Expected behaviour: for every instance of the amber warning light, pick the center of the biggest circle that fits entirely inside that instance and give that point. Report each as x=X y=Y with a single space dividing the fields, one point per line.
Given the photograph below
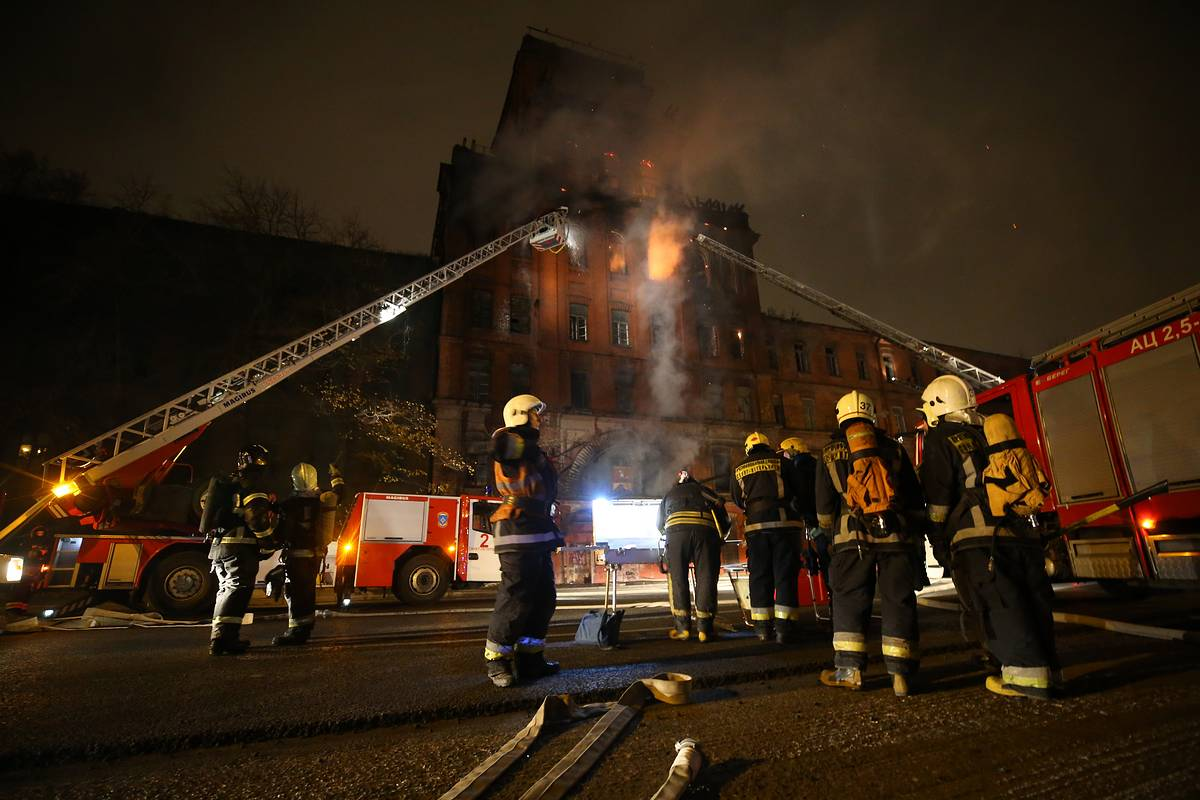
x=1149 y=524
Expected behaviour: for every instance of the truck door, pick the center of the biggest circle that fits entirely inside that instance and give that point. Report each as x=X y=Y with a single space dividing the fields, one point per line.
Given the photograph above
x=483 y=564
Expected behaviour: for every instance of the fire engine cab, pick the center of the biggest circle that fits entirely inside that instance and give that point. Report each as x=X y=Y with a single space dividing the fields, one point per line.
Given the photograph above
x=416 y=545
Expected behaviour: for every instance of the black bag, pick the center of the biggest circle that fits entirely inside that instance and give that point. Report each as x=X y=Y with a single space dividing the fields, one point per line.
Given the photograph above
x=603 y=628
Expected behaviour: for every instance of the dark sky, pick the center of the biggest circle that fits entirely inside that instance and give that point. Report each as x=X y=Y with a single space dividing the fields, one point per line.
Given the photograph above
x=1003 y=176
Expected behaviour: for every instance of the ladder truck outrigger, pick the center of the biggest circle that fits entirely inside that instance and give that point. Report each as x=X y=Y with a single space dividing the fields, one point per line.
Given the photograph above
x=1111 y=416
x=165 y=562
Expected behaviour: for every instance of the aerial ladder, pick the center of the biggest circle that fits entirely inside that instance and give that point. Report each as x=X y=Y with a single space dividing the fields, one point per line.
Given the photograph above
x=91 y=462
x=977 y=377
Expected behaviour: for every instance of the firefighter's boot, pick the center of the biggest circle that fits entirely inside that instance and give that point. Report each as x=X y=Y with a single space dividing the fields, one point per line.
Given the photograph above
x=682 y=630
x=899 y=685
x=228 y=646
x=786 y=632
x=996 y=685
x=531 y=666
x=501 y=673
x=704 y=630
x=765 y=631
x=293 y=637
x=842 y=677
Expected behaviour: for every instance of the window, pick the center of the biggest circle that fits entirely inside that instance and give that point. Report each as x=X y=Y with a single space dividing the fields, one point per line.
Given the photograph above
x=739 y=343
x=481 y=308
x=720 y=463
x=914 y=369
x=713 y=401
x=518 y=314
x=860 y=358
x=777 y=408
x=772 y=355
x=518 y=378
x=745 y=404
x=800 y=350
x=624 y=381
x=616 y=254
x=897 y=420
x=620 y=327
x=581 y=389
x=889 y=367
x=578 y=322
x=479 y=379
x=808 y=413
x=658 y=328
x=831 y=361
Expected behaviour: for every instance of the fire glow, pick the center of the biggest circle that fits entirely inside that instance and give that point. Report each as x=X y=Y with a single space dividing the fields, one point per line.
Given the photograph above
x=664 y=249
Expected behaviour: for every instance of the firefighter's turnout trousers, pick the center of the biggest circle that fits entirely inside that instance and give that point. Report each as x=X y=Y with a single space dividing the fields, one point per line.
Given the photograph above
x=300 y=568
x=235 y=563
x=773 y=558
x=854 y=576
x=699 y=545
x=525 y=602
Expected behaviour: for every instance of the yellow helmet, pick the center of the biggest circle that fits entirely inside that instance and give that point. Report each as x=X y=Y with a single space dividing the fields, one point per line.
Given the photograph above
x=794 y=444
x=756 y=438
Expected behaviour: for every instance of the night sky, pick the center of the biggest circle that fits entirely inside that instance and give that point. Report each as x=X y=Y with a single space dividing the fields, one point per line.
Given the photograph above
x=1002 y=177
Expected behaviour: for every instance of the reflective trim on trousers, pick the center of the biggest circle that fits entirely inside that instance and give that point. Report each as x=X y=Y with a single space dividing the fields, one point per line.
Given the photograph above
x=494 y=651
x=227 y=621
x=680 y=612
x=528 y=644
x=896 y=647
x=791 y=524
x=301 y=622
x=704 y=614
x=849 y=642
x=1033 y=677
x=787 y=612
x=760 y=614
x=526 y=538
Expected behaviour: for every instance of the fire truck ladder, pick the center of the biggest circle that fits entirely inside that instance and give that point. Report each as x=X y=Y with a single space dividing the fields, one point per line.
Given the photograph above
x=93 y=460
x=940 y=359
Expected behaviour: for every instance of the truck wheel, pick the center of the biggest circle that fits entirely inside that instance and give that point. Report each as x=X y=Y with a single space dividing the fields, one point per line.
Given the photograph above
x=182 y=586
x=422 y=579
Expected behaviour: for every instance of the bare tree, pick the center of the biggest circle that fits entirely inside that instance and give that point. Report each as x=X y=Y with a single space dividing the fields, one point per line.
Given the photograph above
x=25 y=174
x=261 y=206
x=141 y=193
x=351 y=232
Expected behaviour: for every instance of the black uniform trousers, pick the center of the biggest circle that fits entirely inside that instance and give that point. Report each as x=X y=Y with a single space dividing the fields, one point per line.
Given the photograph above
x=300 y=588
x=525 y=602
x=1014 y=607
x=699 y=545
x=773 y=558
x=236 y=567
x=854 y=575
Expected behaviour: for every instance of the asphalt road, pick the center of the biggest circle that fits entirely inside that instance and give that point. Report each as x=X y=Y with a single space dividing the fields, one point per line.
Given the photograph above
x=393 y=702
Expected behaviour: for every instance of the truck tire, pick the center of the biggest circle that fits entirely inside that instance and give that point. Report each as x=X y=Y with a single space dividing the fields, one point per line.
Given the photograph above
x=421 y=579
x=182 y=586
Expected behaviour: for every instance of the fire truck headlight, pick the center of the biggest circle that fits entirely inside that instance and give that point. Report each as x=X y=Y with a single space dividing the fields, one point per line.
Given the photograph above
x=16 y=566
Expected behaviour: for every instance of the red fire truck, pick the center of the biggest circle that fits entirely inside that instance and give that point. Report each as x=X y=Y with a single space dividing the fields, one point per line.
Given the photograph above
x=1110 y=414
x=416 y=545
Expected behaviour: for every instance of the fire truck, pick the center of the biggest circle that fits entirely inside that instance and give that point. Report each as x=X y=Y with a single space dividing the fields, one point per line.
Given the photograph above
x=122 y=513
x=416 y=545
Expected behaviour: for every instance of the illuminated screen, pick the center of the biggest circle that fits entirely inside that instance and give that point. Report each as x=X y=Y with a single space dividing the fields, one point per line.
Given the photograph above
x=625 y=523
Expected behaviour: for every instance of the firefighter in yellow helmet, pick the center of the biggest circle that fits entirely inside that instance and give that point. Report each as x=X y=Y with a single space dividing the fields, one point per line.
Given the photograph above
x=693 y=518
x=997 y=558
x=766 y=487
x=869 y=497
x=816 y=555
x=525 y=536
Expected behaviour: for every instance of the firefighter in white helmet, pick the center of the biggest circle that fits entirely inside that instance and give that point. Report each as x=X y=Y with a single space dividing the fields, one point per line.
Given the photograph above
x=525 y=536
x=693 y=518
x=869 y=497
x=996 y=560
x=766 y=486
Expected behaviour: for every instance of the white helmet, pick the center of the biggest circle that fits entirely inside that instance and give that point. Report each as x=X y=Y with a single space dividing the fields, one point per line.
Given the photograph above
x=516 y=411
x=855 y=405
x=304 y=477
x=948 y=395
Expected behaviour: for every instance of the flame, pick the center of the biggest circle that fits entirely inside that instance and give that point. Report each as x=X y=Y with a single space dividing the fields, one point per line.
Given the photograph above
x=665 y=247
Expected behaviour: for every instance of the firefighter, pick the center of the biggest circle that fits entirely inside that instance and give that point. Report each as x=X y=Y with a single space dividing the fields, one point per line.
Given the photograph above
x=997 y=561
x=525 y=535
x=817 y=553
x=869 y=496
x=766 y=486
x=692 y=517
x=237 y=518
x=305 y=527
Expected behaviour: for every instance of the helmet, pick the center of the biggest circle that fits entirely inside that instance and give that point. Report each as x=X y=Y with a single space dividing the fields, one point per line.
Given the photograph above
x=793 y=444
x=855 y=405
x=948 y=394
x=682 y=476
x=516 y=411
x=252 y=457
x=304 y=477
x=756 y=438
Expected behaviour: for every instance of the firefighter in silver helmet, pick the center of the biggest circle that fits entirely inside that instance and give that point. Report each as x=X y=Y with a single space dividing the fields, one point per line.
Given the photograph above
x=693 y=518
x=766 y=486
x=996 y=558
x=306 y=521
x=525 y=535
x=238 y=520
x=869 y=497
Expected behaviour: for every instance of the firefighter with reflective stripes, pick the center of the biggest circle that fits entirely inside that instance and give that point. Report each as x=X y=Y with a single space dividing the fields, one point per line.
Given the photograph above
x=766 y=486
x=868 y=495
x=237 y=518
x=997 y=561
x=692 y=517
x=306 y=526
x=525 y=535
